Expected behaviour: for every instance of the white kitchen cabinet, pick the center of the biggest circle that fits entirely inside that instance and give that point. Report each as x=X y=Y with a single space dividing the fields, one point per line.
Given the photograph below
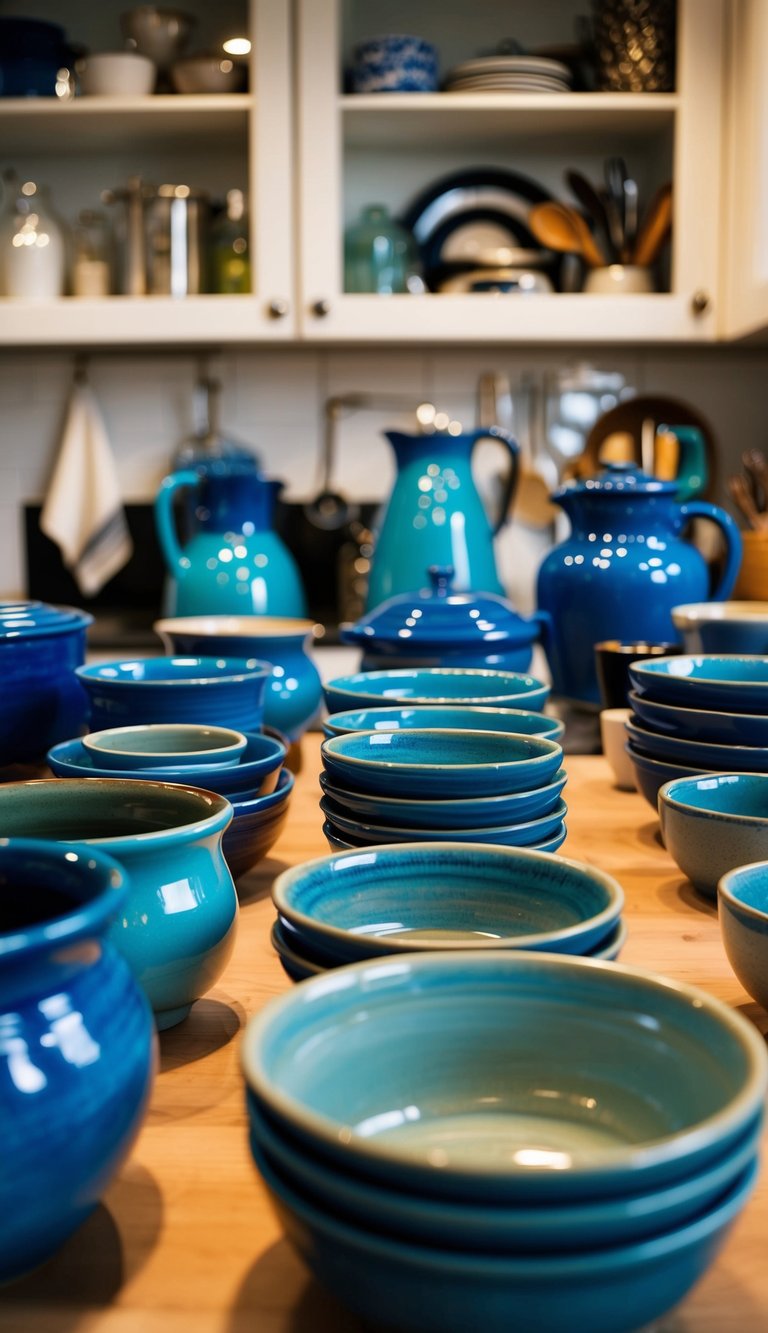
x=211 y=142
x=357 y=149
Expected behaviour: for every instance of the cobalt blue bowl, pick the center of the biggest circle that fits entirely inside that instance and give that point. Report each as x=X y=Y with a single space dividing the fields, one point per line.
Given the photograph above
x=731 y=684
x=524 y=834
x=256 y=825
x=41 y=700
x=216 y=691
x=651 y=774
x=695 y=753
x=255 y=774
x=440 y=763
x=456 y=718
x=701 y=724
x=451 y=814
x=78 y=1049
x=436 y=1072
x=416 y=686
x=742 y=909
x=446 y=895
x=714 y=823
x=722 y=627
x=344 y=842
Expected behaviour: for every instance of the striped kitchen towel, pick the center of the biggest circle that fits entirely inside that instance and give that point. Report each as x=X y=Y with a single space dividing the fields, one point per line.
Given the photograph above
x=83 y=511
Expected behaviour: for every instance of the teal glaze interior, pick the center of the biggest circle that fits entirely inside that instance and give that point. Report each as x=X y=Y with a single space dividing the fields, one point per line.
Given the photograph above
x=167 y=670
x=445 y=748
x=79 y=810
x=431 y=683
x=744 y=794
x=729 y=669
x=466 y=719
x=434 y=895
x=749 y=885
x=485 y=1067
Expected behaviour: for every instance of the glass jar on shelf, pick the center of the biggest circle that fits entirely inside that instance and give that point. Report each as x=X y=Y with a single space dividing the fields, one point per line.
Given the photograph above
x=380 y=255
x=32 y=259
x=229 y=248
x=91 y=255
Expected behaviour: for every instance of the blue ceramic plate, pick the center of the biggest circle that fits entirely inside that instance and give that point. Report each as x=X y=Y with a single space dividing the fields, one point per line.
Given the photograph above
x=744 y=758
x=472 y=812
x=256 y=772
x=508 y=835
x=731 y=684
x=339 y=842
x=435 y=685
x=460 y=719
x=701 y=724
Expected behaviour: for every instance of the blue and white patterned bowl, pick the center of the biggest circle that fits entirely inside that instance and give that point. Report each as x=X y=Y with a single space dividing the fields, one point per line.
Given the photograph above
x=395 y=63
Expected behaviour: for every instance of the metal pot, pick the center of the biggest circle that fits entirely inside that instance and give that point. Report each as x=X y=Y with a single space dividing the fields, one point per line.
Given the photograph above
x=160 y=239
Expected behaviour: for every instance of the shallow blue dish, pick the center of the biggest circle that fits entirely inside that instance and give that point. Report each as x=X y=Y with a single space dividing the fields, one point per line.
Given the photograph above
x=474 y=812
x=435 y=685
x=651 y=774
x=701 y=724
x=697 y=754
x=742 y=908
x=344 y=842
x=440 y=763
x=457 y=718
x=222 y=691
x=712 y=824
x=731 y=684
x=523 y=834
x=255 y=774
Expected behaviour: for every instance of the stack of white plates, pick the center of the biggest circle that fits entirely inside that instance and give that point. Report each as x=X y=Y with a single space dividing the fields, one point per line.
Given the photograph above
x=511 y=74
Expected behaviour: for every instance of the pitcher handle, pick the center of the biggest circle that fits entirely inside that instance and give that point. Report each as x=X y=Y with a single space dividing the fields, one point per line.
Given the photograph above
x=692 y=472
x=510 y=481
x=165 y=522
x=733 y=542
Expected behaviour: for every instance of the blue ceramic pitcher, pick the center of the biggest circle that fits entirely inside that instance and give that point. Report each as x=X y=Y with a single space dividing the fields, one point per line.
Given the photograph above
x=624 y=566
x=435 y=516
x=234 y=563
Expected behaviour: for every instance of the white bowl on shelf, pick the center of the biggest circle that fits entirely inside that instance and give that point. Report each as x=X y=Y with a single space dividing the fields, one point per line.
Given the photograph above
x=116 y=74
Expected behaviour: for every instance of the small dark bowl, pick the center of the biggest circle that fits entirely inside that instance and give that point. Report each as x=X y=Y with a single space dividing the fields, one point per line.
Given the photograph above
x=612 y=660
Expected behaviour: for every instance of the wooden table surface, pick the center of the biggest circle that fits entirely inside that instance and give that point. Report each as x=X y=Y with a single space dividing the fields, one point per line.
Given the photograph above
x=185 y=1240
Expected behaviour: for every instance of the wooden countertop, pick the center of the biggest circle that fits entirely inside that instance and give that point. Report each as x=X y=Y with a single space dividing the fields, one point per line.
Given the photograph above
x=185 y=1240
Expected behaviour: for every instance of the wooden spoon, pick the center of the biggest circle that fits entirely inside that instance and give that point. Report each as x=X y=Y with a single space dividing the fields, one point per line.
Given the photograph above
x=666 y=455
x=655 y=228
x=562 y=228
x=742 y=495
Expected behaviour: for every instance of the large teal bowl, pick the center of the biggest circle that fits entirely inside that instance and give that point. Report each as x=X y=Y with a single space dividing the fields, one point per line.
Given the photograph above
x=419 y=1288
x=216 y=691
x=742 y=904
x=178 y=928
x=711 y=824
x=457 y=718
x=406 y=686
x=507 y=1076
x=452 y=814
x=440 y=763
x=447 y=895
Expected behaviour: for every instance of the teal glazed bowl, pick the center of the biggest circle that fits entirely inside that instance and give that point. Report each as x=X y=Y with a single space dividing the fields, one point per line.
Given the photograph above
x=345 y=842
x=728 y=682
x=452 y=814
x=742 y=904
x=456 y=718
x=77 y=1055
x=215 y=691
x=446 y=895
x=714 y=822
x=256 y=773
x=522 y=1075
x=163 y=745
x=440 y=763
x=464 y=686
x=256 y=825
x=523 y=834
x=178 y=928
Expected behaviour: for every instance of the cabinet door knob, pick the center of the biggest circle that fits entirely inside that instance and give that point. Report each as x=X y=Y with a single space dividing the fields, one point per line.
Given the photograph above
x=322 y=307
x=278 y=308
x=700 y=302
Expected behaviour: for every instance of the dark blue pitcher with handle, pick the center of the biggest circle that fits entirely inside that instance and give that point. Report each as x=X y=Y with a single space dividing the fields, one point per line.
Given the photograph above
x=624 y=566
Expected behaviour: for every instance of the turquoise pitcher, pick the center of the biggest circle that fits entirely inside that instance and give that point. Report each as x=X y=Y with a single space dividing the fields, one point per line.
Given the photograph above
x=234 y=563
x=434 y=515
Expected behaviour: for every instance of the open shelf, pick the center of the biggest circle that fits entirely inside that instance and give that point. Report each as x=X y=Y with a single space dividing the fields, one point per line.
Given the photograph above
x=121 y=122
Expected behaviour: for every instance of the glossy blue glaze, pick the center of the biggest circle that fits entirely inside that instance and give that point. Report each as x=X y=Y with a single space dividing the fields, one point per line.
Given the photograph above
x=435 y=516
x=701 y=724
x=77 y=1045
x=623 y=568
x=440 y=763
x=742 y=909
x=294 y=691
x=472 y=812
x=256 y=774
x=446 y=895
x=41 y=701
x=216 y=691
x=651 y=774
x=523 y=834
x=234 y=562
x=730 y=684
x=425 y=1289
x=458 y=718
x=654 y=1079
x=343 y=842
x=178 y=928
x=723 y=627
x=696 y=753
x=713 y=823
x=256 y=825
x=435 y=685
x=163 y=745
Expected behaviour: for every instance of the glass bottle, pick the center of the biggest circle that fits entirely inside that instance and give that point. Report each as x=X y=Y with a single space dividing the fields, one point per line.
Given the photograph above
x=380 y=255
x=92 y=255
x=230 y=257
x=32 y=260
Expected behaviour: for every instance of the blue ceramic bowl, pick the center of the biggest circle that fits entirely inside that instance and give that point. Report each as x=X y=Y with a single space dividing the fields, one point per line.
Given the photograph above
x=730 y=684
x=395 y=63
x=416 y=686
x=701 y=724
x=440 y=763
x=697 y=754
x=41 y=701
x=215 y=691
x=525 y=834
x=166 y=745
x=178 y=929
x=344 y=842
x=498 y=1228
x=256 y=825
x=446 y=895
x=624 y=1080
x=255 y=775
x=712 y=824
x=458 y=719
x=742 y=908
x=78 y=1048
x=723 y=627
x=449 y=815
x=651 y=774
x=420 y=1288
x=293 y=694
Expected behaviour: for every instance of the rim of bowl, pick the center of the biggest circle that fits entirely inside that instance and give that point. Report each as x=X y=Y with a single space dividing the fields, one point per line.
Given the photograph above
x=256 y=668
x=716 y=713
x=88 y=916
x=551 y=748
x=607 y=915
x=558 y=812
x=675 y=803
x=559 y=779
x=653 y=667
x=551 y=724
x=225 y=748
x=254 y=804
x=344 y=685
x=703 y=613
x=726 y=892
x=239 y=627
x=636 y=725
x=219 y=816
x=652 y=1153
x=278 y=756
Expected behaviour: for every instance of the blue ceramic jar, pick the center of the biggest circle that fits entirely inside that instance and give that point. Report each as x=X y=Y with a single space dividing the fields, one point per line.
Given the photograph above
x=41 y=701
x=76 y=1044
